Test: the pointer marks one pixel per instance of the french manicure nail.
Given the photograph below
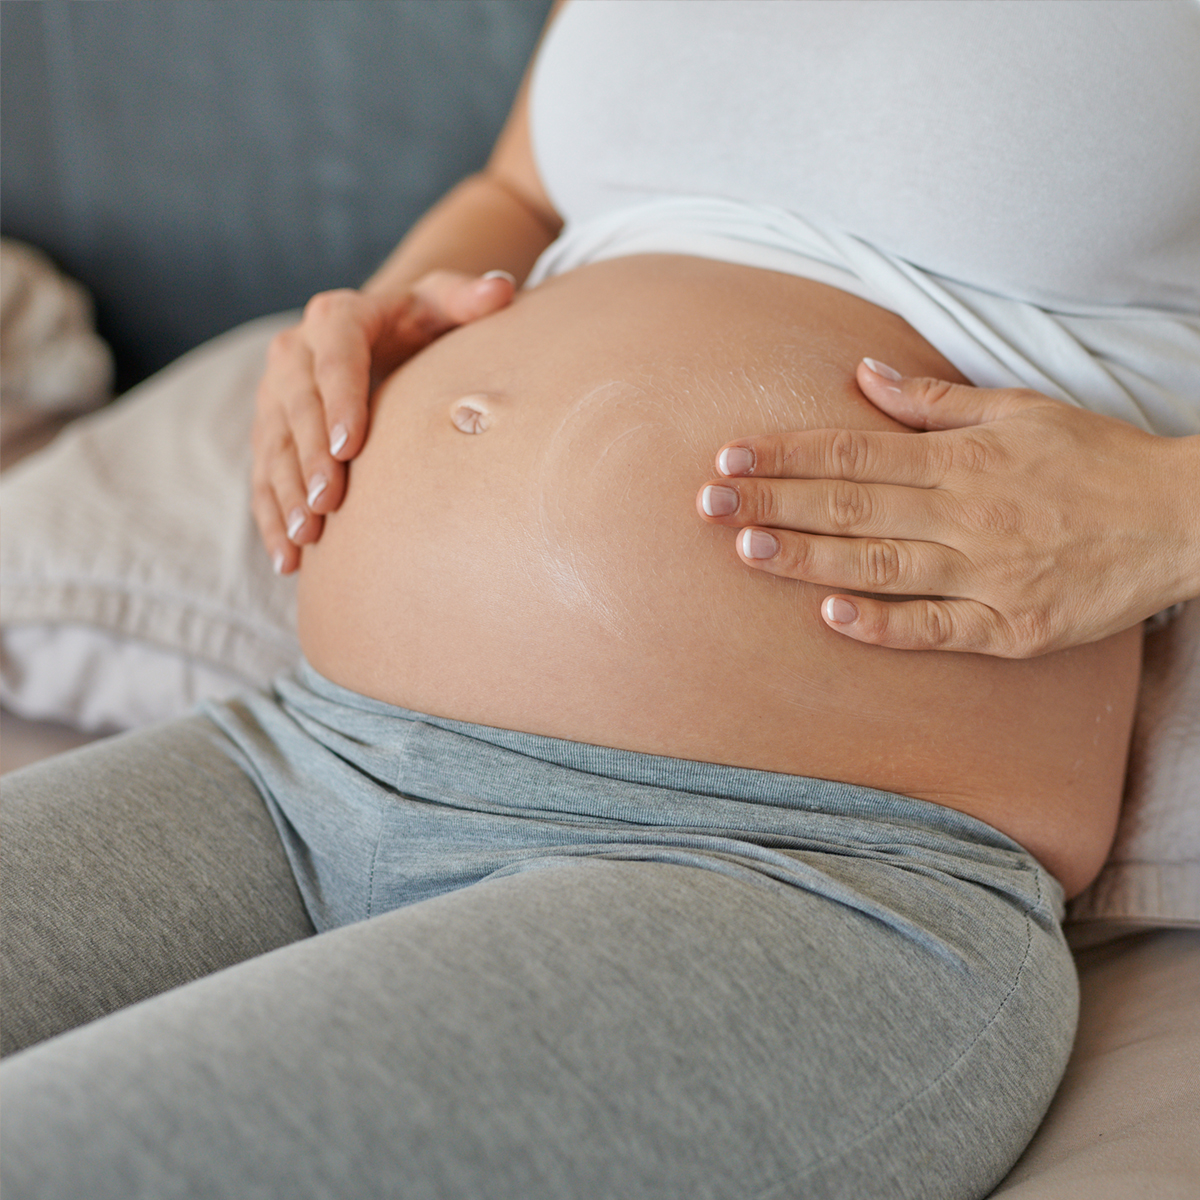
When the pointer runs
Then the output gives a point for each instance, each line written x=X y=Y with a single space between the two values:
x=296 y=522
x=839 y=612
x=277 y=561
x=719 y=501
x=735 y=460
x=316 y=486
x=758 y=544
x=883 y=369
x=501 y=275
x=338 y=437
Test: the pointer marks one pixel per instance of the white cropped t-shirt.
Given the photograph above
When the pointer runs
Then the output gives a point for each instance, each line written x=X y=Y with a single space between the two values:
x=1019 y=180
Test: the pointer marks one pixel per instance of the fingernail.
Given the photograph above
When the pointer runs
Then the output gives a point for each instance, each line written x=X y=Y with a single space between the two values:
x=296 y=523
x=757 y=544
x=316 y=486
x=735 y=460
x=501 y=275
x=883 y=369
x=719 y=501
x=277 y=561
x=839 y=612
x=338 y=437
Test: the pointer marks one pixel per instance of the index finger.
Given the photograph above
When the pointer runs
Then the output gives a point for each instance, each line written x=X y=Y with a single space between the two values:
x=861 y=455
x=340 y=343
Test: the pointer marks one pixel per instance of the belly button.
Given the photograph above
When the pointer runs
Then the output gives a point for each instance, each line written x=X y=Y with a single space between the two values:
x=471 y=414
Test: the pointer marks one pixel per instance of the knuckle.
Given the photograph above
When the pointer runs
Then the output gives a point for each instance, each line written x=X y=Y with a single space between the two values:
x=995 y=515
x=936 y=625
x=281 y=483
x=319 y=307
x=258 y=469
x=798 y=559
x=972 y=454
x=761 y=505
x=268 y=439
x=933 y=391
x=1010 y=574
x=260 y=490
x=882 y=565
x=282 y=345
x=295 y=404
x=439 y=277
x=442 y=277
x=848 y=454
x=1022 y=569
x=1029 y=634
x=775 y=456
x=266 y=404
x=795 y=454
x=943 y=458
x=265 y=510
x=849 y=506
x=325 y=304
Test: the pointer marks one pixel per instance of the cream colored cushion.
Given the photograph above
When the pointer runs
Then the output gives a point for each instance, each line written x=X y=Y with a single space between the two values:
x=1152 y=876
x=132 y=579
x=1123 y=1125
x=50 y=357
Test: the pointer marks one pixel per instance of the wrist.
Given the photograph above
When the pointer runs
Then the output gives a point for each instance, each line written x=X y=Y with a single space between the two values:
x=483 y=224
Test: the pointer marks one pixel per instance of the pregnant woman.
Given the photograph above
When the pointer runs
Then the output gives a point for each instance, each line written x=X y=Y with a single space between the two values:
x=631 y=873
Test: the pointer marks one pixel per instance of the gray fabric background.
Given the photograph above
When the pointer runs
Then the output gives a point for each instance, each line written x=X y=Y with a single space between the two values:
x=196 y=164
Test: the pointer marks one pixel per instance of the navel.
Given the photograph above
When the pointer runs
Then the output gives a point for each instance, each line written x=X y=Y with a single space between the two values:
x=471 y=414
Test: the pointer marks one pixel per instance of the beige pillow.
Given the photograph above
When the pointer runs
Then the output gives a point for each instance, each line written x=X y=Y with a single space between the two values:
x=132 y=583
x=50 y=356
x=1123 y=1124
x=132 y=580
x=1152 y=876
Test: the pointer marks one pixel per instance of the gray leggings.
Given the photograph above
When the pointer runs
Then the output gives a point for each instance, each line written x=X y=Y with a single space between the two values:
x=544 y=970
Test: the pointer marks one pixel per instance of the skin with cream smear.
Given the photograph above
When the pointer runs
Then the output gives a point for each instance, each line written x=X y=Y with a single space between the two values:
x=601 y=609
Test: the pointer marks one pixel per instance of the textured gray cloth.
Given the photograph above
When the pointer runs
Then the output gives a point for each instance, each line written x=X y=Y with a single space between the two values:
x=581 y=972
x=131 y=866
x=194 y=165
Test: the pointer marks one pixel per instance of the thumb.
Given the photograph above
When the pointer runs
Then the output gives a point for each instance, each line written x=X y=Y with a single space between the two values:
x=436 y=303
x=450 y=298
x=936 y=404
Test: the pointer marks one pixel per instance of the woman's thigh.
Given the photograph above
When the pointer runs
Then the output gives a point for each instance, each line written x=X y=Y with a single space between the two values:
x=131 y=866
x=579 y=1028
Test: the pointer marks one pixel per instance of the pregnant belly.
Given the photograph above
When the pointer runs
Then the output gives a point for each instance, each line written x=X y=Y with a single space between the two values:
x=519 y=547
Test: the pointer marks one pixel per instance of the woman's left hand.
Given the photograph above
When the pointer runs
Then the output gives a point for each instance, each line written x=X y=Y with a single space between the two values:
x=1016 y=526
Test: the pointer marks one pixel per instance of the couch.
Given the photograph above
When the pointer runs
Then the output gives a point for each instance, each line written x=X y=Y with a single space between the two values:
x=195 y=167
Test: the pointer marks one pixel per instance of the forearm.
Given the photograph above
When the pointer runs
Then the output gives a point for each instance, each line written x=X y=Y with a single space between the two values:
x=498 y=219
x=481 y=225
x=1183 y=478
x=313 y=403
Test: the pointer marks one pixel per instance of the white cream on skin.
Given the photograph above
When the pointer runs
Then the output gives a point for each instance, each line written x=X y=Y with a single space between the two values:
x=596 y=461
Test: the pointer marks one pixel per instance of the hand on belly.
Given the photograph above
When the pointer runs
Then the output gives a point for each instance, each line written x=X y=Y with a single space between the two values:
x=531 y=479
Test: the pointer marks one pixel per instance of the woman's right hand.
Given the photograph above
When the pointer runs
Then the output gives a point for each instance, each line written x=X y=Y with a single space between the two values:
x=311 y=406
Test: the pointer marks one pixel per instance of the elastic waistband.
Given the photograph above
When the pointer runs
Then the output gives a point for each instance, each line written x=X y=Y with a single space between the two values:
x=485 y=769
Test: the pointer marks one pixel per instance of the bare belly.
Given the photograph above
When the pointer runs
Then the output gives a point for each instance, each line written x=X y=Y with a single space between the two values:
x=519 y=547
